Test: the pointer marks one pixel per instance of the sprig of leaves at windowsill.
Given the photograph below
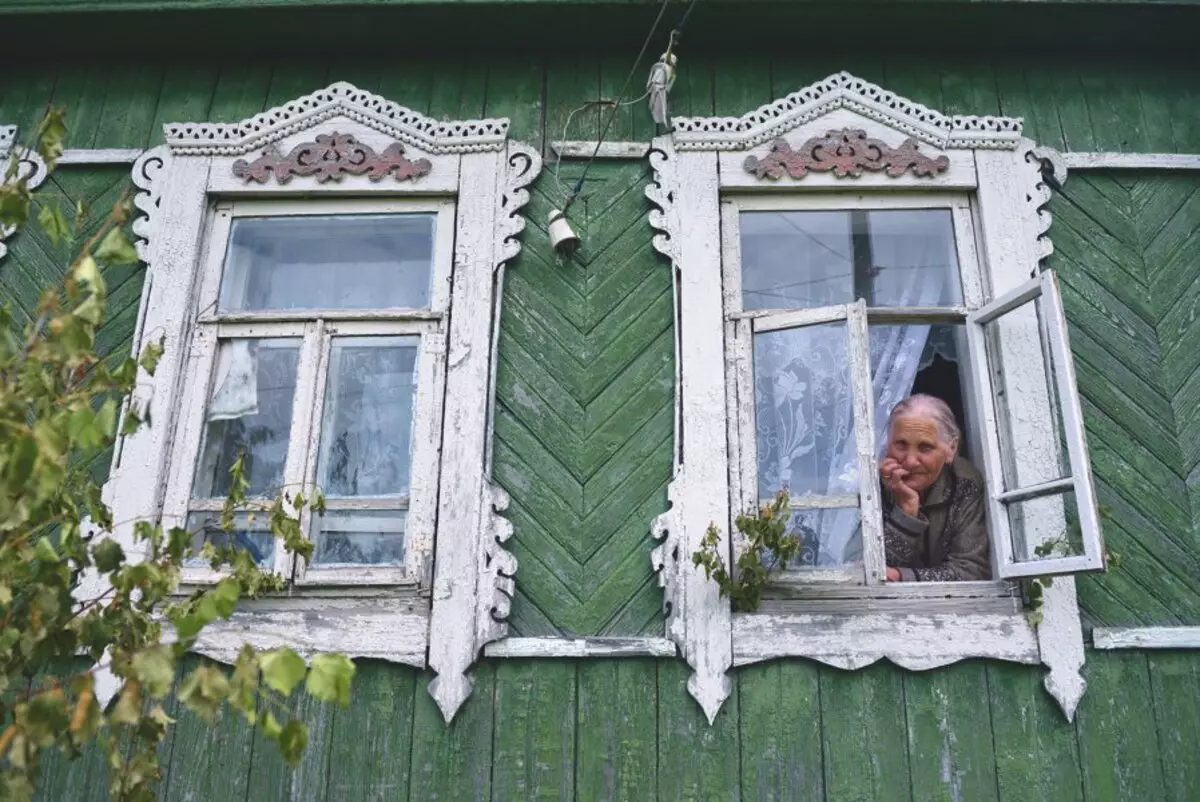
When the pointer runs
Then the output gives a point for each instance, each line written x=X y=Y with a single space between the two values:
x=1035 y=587
x=765 y=531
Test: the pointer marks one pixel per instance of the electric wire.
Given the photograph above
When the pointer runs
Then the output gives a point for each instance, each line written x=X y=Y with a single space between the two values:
x=662 y=10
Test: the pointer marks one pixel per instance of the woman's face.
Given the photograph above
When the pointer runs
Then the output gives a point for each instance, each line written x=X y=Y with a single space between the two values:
x=917 y=445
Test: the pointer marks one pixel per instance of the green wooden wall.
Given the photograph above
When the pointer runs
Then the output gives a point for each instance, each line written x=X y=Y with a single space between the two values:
x=583 y=445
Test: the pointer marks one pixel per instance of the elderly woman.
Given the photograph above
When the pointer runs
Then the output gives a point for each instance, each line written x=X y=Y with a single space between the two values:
x=934 y=528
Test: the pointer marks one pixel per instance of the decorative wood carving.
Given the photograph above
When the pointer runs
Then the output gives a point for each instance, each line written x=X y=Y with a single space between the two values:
x=30 y=168
x=473 y=576
x=146 y=173
x=1012 y=179
x=844 y=91
x=329 y=158
x=469 y=594
x=685 y=190
x=338 y=100
x=845 y=153
x=8 y=135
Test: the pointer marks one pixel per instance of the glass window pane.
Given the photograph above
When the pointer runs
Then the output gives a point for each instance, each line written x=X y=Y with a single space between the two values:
x=358 y=537
x=253 y=536
x=1031 y=442
x=342 y=262
x=796 y=259
x=890 y=257
x=250 y=411
x=829 y=538
x=804 y=412
x=1045 y=528
x=366 y=434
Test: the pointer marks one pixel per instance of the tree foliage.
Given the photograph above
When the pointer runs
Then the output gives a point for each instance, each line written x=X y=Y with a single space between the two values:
x=74 y=583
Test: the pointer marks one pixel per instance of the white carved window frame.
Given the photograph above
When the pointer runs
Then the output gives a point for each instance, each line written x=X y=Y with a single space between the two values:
x=701 y=177
x=441 y=615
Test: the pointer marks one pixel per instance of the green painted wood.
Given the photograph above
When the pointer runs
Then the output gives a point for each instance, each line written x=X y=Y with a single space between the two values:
x=1118 y=739
x=452 y=762
x=616 y=752
x=1036 y=752
x=533 y=746
x=1175 y=687
x=83 y=777
x=583 y=420
x=951 y=753
x=696 y=761
x=270 y=778
x=584 y=414
x=780 y=722
x=209 y=762
x=1127 y=249
x=864 y=735
x=370 y=742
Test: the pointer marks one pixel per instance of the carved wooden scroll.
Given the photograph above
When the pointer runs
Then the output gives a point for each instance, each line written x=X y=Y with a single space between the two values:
x=845 y=153
x=329 y=158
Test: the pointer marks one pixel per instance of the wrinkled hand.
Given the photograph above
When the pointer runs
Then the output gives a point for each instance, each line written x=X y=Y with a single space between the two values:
x=893 y=478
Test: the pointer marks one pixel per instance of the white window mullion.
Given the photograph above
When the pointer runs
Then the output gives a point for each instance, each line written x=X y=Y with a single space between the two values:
x=443 y=257
x=190 y=427
x=870 y=508
x=1073 y=426
x=302 y=436
x=426 y=451
x=968 y=256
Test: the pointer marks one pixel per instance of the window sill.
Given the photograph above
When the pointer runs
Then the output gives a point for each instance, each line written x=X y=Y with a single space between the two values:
x=795 y=595
x=916 y=641
x=393 y=627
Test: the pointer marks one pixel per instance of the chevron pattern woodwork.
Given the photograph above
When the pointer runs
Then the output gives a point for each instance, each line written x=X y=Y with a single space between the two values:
x=584 y=410
x=1128 y=250
x=34 y=263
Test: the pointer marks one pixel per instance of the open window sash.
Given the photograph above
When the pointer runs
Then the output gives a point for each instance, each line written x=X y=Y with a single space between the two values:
x=1029 y=488
x=867 y=499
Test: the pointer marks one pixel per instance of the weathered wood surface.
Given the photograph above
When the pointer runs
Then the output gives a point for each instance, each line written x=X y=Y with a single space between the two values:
x=1125 y=249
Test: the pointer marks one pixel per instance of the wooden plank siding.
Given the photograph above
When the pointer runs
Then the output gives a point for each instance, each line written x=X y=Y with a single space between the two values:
x=583 y=438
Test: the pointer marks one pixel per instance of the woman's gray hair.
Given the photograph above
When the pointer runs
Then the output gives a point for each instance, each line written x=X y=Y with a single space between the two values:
x=919 y=405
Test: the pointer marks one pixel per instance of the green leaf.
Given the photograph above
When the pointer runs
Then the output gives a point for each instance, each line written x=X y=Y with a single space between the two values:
x=293 y=740
x=52 y=135
x=88 y=272
x=51 y=219
x=155 y=667
x=21 y=459
x=46 y=552
x=225 y=596
x=149 y=359
x=116 y=248
x=282 y=670
x=269 y=726
x=330 y=677
x=108 y=555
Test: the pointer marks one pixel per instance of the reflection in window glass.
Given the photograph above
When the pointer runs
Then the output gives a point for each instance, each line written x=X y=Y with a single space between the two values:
x=366 y=435
x=890 y=257
x=828 y=538
x=250 y=412
x=343 y=262
x=359 y=537
x=252 y=536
